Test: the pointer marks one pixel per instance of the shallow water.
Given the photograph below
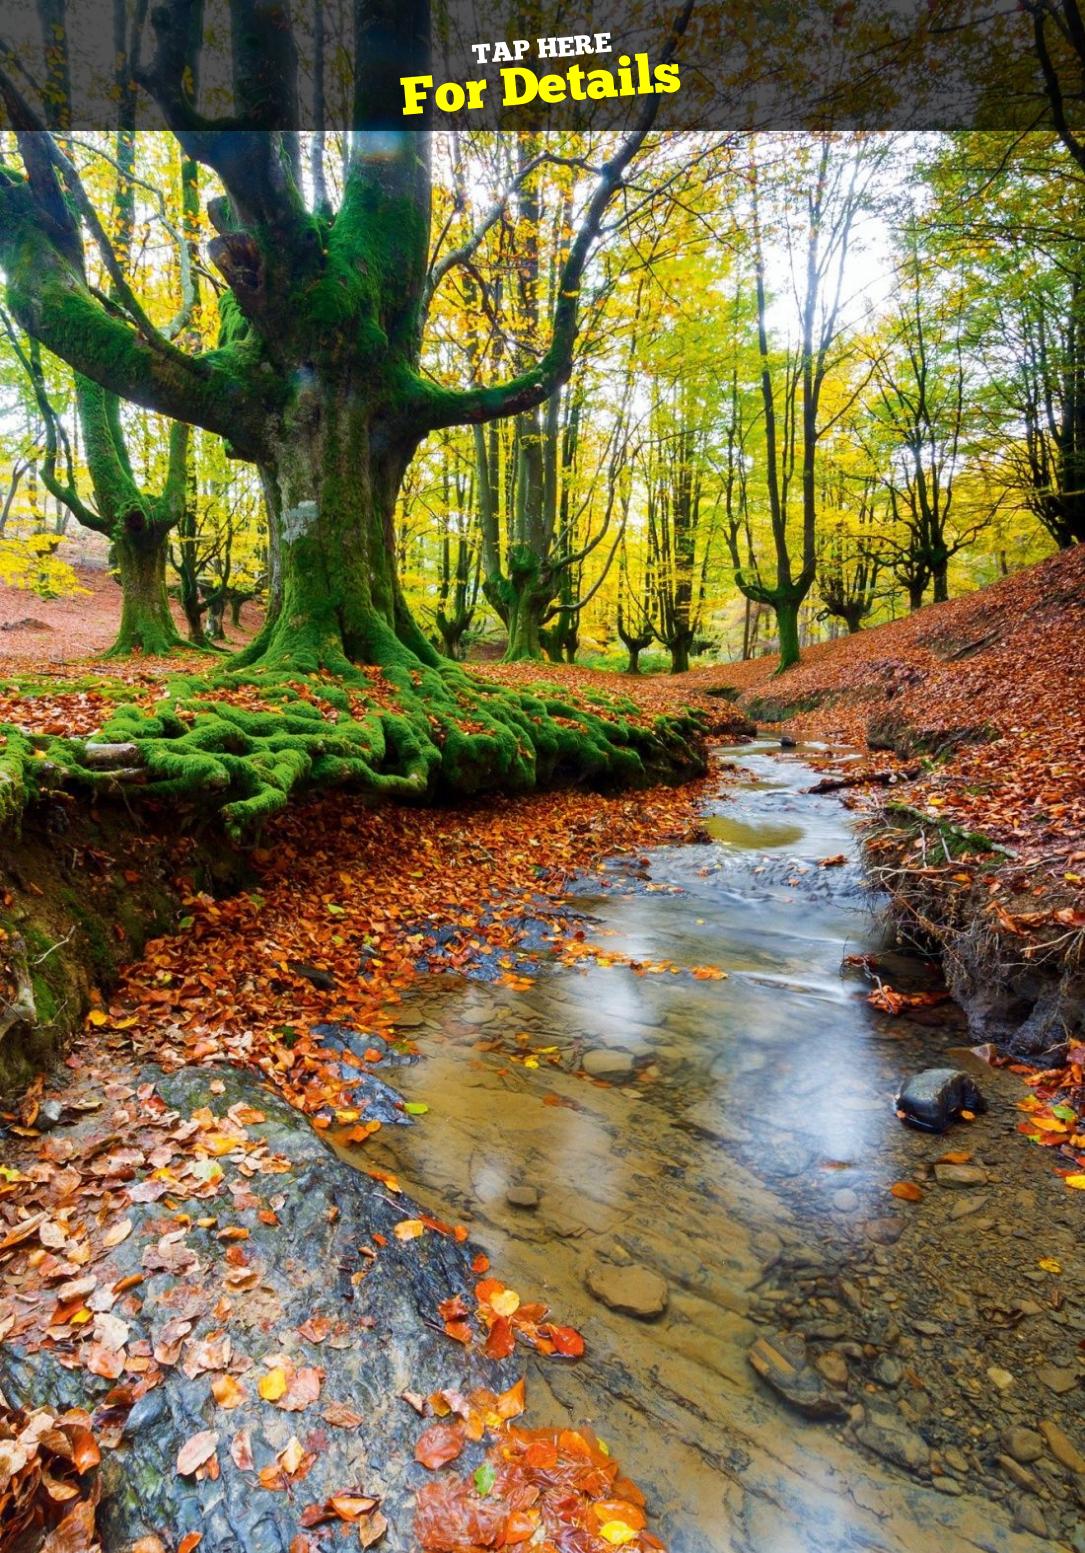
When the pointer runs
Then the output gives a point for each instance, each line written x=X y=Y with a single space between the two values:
x=746 y=1157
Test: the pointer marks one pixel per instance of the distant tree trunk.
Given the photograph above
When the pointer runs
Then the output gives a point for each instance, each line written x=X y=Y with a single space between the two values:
x=146 y=623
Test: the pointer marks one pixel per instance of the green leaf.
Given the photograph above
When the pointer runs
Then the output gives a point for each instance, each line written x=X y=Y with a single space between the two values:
x=415 y=1108
x=484 y=1478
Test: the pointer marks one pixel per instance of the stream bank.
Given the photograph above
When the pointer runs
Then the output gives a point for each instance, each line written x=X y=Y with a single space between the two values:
x=659 y=1110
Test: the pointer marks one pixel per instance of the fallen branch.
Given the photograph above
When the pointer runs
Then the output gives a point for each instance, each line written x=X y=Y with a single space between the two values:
x=872 y=778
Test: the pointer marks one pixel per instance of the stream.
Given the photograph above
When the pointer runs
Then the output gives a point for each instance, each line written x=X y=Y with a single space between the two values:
x=735 y=1162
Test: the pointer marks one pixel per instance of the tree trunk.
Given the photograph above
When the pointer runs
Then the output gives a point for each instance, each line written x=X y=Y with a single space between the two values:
x=338 y=476
x=679 y=649
x=916 y=591
x=787 y=630
x=527 y=598
x=941 y=583
x=146 y=623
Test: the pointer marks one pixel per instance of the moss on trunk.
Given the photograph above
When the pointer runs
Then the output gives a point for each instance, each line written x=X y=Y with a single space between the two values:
x=146 y=622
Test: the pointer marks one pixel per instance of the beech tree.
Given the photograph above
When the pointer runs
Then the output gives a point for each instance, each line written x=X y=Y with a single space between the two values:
x=316 y=377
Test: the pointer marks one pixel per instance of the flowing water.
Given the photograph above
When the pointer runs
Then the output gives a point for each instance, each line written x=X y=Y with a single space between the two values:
x=745 y=1156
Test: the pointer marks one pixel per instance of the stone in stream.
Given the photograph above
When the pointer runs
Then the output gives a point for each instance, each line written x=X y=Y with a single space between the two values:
x=783 y=1363
x=632 y=1291
x=50 y=1114
x=382 y=1336
x=606 y=1062
x=1029 y=1517
x=1062 y=1447
x=960 y=1175
x=932 y=1099
x=1022 y=1444
x=522 y=1196
x=1057 y=1379
x=886 y=1433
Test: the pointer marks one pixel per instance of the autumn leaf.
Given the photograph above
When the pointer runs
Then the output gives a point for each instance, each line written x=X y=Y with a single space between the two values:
x=196 y=1450
x=907 y=1191
x=439 y=1444
x=272 y=1385
x=227 y=1392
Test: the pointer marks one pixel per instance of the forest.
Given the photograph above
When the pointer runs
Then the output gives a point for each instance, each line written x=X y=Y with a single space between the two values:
x=542 y=836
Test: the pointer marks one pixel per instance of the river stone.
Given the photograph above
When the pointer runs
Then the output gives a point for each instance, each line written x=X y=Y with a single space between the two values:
x=999 y=1377
x=633 y=1291
x=1056 y=1379
x=960 y=1175
x=846 y=1200
x=886 y=1434
x=1062 y=1447
x=604 y=1062
x=50 y=1113
x=834 y=1367
x=1020 y=1475
x=888 y=1371
x=523 y=1196
x=782 y=1362
x=1022 y=1444
x=1028 y=1516
x=387 y=1341
x=885 y=1231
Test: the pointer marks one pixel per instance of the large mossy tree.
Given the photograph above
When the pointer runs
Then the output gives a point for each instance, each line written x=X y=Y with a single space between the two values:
x=317 y=379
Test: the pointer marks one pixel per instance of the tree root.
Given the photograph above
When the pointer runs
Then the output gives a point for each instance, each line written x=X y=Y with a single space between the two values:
x=20 y=1009
x=243 y=740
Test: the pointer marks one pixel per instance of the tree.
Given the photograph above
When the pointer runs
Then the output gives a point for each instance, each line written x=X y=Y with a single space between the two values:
x=815 y=224
x=317 y=374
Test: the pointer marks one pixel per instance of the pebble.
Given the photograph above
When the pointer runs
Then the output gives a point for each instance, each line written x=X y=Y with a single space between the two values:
x=1056 y=1379
x=999 y=1377
x=966 y=1205
x=885 y=1231
x=1020 y=1475
x=781 y=1361
x=834 y=1368
x=603 y=1062
x=1022 y=1444
x=1062 y=1447
x=846 y=1200
x=633 y=1291
x=1029 y=1517
x=888 y=1371
x=956 y=1459
x=960 y=1175
x=523 y=1196
x=888 y=1436
x=946 y=1485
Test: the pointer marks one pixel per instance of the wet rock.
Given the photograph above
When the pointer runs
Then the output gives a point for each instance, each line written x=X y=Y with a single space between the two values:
x=782 y=1363
x=324 y=981
x=999 y=1377
x=970 y=1204
x=408 y=1019
x=885 y=1231
x=1019 y=1474
x=956 y=1460
x=50 y=1113
x=1057 y=1379
x=523 y=1196
x=846 y=1200
x=1061 y=1446
x=633 y=1291
x=1028 y=1516
x=946 y=1485
x=960 y=1175
x=1022 y=1444
x=787 y=742
x=381 y=1338
x=834 y=1368
x=928 y=1328
x=605 y=1062
x=931 y=1100
x=888 y=1371
x=888 y=1435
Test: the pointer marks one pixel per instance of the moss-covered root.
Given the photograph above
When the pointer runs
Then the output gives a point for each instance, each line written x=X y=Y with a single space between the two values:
x=16 y=773
x=244 y=741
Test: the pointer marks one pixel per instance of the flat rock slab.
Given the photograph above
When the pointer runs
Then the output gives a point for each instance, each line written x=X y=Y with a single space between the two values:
x=603 y=1062
x=782 y=1363
x=376 y=1318
x=633 y=1291
x=886 y=1434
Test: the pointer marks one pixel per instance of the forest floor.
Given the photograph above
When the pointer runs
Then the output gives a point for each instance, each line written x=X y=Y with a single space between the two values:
x=348 y=911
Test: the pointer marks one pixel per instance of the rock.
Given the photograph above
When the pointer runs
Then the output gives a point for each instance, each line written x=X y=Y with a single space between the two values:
x=1061 y=1446
x=888 y=1371
x=1028 y=1516
x=834 y=1368
x=999 y=1377
x=956 y=1459
x=932 y=1099
x=49 y=1115
x=823 y=1331
x=523 y=1196
x=307 y=1260
x=408 y=1019
x=885 y=1231
x=322 y=980
x=1020 y=1475
x=633 y=1291
x=604 y=1062
x=1056 y=1379
x=846 y=1200
x=1022 y=1444
x=946 y=1485
x=928 y=1328
x=960 y=1175
x=888 y=1436
x=787 y=742
x=966 y=1205
x=781 y=1361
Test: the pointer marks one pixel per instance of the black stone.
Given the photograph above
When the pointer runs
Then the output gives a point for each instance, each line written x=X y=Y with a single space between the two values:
x=931 y=1100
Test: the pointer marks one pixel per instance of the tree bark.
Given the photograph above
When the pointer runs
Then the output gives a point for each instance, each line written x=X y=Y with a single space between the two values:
x=146 y=623
x=787 y=629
